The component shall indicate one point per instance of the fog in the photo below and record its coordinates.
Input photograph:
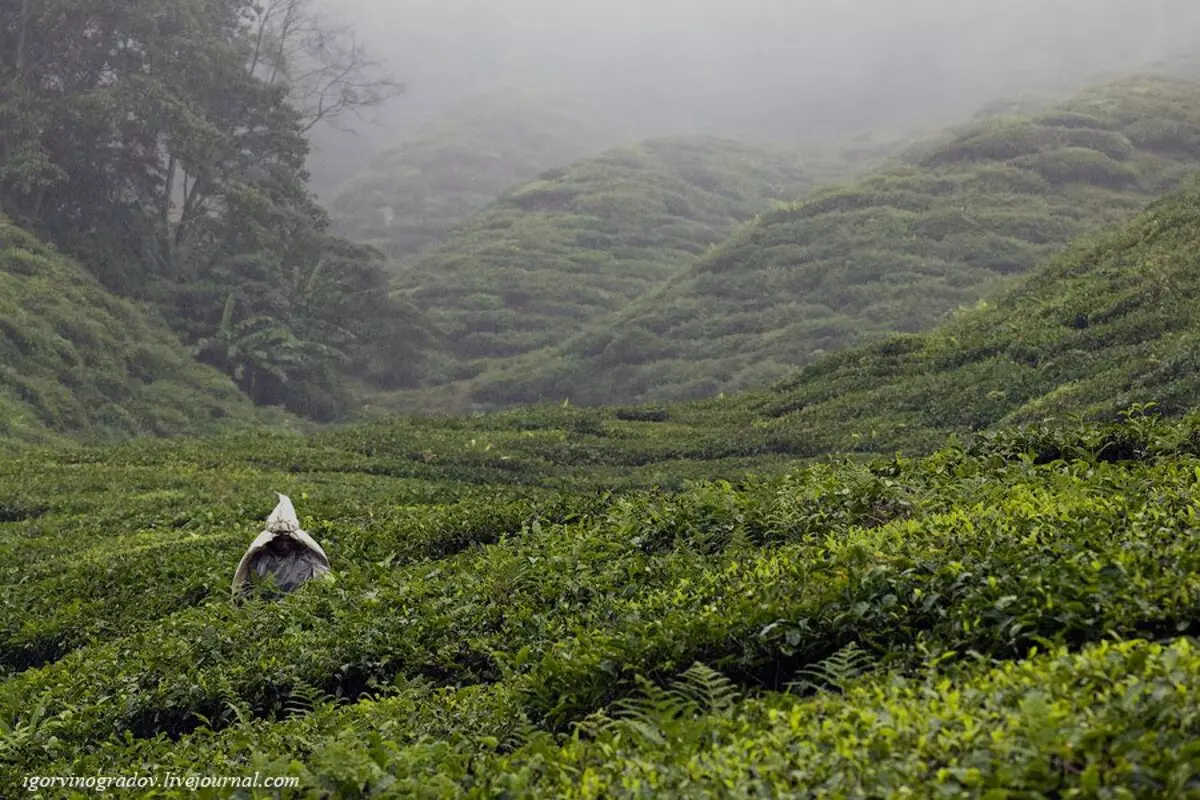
(763, 69)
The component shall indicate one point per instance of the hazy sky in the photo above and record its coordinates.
(780, 69)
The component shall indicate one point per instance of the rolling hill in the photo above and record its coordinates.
(76, 360)
(582, 241)
(412, 193)
(1109, 325)
(520, 597)
(957, 220)
(1113, 322)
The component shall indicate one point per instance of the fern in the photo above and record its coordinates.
(660, 715)
(236, 711)
(711, 691)
(304, 698)
(834, 672)
(15, 732)
(517, 736)
(650, 713)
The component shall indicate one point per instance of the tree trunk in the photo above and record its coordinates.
(22, 33)
(192, 202)
(168, 252)
(285, 34)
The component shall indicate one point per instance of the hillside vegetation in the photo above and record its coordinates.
(957, 558)
(582, 241)
(892, 253)
(411, 194)
(77, 360)
(1112, 322)
(670, 601)
(162, 145)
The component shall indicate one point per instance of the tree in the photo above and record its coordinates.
(163, 143)
(328, 73)
(126, 111)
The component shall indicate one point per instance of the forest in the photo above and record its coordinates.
(805, 438)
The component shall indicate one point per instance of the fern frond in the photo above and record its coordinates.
(711, 691)
(516, 737)
(835, 672)
(652, 705)
(238, 710)
(304, 698)
(659, 715)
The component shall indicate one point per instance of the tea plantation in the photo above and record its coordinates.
(77, 360)
(582, 241)
(411, 194)
(749, 596)
(547, 604)
(957, 558)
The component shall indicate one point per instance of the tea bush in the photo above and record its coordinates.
(483, 638)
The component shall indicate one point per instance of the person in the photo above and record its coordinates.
(283, 551)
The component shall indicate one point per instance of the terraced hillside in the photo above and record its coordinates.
(1112, 322)
(700, 600)
(411, 194)
(78, 361)
(892, 253)
(584, 240)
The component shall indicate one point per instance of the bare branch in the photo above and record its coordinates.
(328, 72)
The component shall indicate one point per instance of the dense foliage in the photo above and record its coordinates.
(486, 631)
(588, 602)
(161, 142)
(892, 253)
(77, 360)
(410, 195)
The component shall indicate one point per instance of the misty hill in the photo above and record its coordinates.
(582, 241)
(1113, 322)
(891, 253)
(410, 194)
(78, 360)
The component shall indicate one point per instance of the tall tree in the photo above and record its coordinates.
(163, 142)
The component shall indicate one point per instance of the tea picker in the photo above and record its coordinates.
(282, 550)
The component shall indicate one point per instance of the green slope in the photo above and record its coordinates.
(582, 241)
(892, 253)
(76, 360)
(411, 194)
(1113, 322)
